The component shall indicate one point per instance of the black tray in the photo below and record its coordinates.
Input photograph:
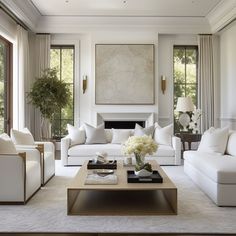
(94, 165)
(154, 178)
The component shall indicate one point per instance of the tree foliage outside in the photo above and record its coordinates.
(185, 77)
(62, 58)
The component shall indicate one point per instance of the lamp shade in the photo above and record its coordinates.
(184, 104)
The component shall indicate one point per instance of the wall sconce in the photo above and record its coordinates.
(84, 83)
(163, 84)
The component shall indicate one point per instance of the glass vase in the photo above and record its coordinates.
(139, 159)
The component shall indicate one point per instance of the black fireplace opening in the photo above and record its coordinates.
(109, 124)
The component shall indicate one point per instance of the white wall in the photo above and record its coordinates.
(228, 76)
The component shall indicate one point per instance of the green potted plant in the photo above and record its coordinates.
(49, 94)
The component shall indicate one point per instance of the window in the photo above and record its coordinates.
(62, 58)
(185, 76)
(5, 85)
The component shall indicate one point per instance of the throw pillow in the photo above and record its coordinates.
(77, 135)
(23, 137)
(231, 145)
(120, 136)
(6, 145)
(140, 131)
(214, 140)
(163, 136)
(95, 135)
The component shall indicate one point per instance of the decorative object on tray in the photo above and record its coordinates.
(155, 177)
(101, 179)
(194, 123)
(140, 146)
(101, 157)
(144, 170)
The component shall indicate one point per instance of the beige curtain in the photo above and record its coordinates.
(42, 55)
(206, 81)
(21, 85)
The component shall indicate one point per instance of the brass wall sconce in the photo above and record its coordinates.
(84, 83)
(163, 84)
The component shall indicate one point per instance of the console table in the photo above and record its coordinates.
(189, 138)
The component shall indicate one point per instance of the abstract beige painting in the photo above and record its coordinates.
(124, 74)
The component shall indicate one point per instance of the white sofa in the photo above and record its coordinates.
(215, 173)
(77, 154)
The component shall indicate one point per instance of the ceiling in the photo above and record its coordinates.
(162, 8)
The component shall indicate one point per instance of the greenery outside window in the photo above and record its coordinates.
(185, 77)
(62, 58)
(5, 85)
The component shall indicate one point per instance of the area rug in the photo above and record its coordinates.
(47, 212)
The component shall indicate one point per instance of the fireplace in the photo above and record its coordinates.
(109, 124)
(125, 120)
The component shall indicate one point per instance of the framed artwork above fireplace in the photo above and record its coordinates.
(124, 74)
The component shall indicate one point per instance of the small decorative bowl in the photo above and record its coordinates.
(143, 173)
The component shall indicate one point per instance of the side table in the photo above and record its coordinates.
(189, 138)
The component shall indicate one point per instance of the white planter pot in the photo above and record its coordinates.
(46, 125)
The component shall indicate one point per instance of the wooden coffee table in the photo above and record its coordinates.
(123, 198)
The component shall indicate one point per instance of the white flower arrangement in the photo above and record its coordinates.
(193, 125)
(141, 145)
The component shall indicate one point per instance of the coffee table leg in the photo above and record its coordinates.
(72, 195)
(171, 197)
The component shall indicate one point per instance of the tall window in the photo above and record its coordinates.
(5, 84)
(185, 76)
(62, 58)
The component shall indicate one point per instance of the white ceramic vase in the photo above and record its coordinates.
(143, 173)
(46, 126)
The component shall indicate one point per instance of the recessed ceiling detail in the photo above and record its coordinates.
(163, 8)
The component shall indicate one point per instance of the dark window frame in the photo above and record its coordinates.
(185, 84)
(60, 47)
(8, 84)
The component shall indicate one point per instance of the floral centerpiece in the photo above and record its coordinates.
(140, 146)
(193, 125)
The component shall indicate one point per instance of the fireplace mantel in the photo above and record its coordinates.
(147, 117)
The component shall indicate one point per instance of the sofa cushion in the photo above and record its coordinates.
(214, 140)
(219, 168)
(95, 135)
(140, 131)
(77, 135)
(23, 137)
(231, 145)
(164, 151)
(90, 150)
(120, 136)
(163, 136)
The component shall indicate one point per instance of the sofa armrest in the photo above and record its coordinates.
(48, 146)
(65, 144)
(176, 143)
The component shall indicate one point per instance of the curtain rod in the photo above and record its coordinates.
(12, 16)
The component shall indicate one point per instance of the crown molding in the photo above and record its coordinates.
(222, 15)
(167, 25)
(25, 11)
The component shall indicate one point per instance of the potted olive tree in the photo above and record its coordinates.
(49, 94)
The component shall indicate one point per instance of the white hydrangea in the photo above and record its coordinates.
(140, 144)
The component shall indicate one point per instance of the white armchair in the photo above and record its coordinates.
(47, 153)
(20, 176)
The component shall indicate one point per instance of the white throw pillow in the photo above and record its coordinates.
(6, 145)
(120, 136)
(231, 145)
(77, 135)
(23, 137)
(163, 136)
(214, 140)
(140, 131)
(95, 135)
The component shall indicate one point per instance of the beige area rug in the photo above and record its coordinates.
(46, 212)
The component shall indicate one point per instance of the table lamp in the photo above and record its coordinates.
(184, 104)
